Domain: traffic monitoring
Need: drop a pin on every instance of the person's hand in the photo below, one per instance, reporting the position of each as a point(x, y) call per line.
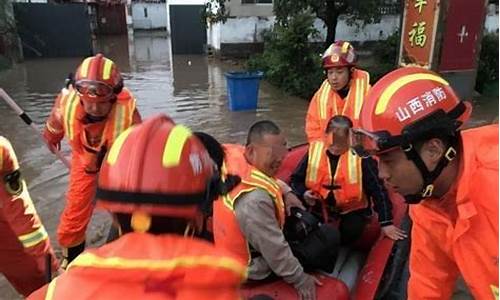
point(307, 290)
point(311, 197)
point(291, 200)
point(394, 233)
point(52, 143)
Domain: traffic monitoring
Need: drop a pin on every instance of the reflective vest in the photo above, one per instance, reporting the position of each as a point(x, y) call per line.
point(348, 176)
point(441, 248)
point(119, 119)
point(24, 244)
point(33, 232)
point(146, 266)
point(227, 232)
point(326, 103)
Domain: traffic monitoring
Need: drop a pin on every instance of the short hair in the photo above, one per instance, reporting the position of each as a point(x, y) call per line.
point(260, 128)
point(338, 121)
point(214, 148)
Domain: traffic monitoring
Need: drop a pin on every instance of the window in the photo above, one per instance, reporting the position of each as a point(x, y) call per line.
point(256, 1)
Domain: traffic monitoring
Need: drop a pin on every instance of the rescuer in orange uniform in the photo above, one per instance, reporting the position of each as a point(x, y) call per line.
point(91, 114)
point(412, 122)
point(340, 185)
point(25, 247)
point(154, 181)
point(342, 92)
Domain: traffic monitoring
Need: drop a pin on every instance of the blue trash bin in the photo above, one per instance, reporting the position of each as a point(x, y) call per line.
point(243, 89)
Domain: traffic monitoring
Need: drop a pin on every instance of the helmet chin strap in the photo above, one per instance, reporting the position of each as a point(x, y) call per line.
point(428, 176)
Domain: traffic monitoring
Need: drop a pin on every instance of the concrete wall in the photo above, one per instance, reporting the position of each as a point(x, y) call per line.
point(10, 43)
point(214, 36)
point(149, 15)
point(491, 22)
point(237, 9)
point(247, 30)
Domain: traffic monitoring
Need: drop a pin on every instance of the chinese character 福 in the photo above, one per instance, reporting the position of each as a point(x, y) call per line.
point(417, 34)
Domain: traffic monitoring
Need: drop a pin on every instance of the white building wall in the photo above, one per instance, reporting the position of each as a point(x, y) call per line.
point(491, 22)
point(149, 15)
point(245, 29)
point(249, 29)
point(214, 36)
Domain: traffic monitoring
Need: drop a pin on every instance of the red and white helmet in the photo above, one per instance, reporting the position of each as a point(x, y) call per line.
point(156, 168)
point(98, 79)
point(339, 54)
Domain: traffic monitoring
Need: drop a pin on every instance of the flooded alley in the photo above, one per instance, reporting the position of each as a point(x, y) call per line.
point(190, 89)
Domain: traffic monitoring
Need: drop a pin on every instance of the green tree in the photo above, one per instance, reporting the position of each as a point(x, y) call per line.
point(289, 61)
point(355, 11)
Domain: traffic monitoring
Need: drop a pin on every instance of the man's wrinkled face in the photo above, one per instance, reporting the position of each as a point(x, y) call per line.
point(268, 154)
point(338, 77)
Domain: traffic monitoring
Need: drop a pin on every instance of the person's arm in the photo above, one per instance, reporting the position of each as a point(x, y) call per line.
point(432, 273)
point(314, 131)
point(19, 211)
point(53, 131)
point(298, 178)
point(374, 188)
point(255, 213)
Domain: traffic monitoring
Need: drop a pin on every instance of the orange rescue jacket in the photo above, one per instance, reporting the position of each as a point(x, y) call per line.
point(326, 103)
point(442, 249)
point(24, 245)
point(145, 266)
point(348, 176)
point(227, 232)
point(67, 114)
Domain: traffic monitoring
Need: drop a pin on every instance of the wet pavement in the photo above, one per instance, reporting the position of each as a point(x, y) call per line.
point(191, 89)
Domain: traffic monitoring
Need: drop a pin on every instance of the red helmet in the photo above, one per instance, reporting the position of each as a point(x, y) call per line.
point(98, 79)
point(339, 54)
point(155, 168)
point(407, 105)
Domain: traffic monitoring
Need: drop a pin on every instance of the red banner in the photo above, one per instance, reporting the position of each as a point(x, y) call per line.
point(464, 23)
point(419, 32)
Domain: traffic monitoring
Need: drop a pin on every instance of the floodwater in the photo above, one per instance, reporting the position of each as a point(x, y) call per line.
point(190, 89)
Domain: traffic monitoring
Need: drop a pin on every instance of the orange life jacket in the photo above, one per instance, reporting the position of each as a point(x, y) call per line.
point(119, 119)
point(227, 232)
point(443, 248)
point(326, 103)
point(146, 266)
point(25, 244)
point(348, 176)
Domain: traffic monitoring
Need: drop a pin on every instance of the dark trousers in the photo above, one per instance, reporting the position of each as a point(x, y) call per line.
point(352, 225)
